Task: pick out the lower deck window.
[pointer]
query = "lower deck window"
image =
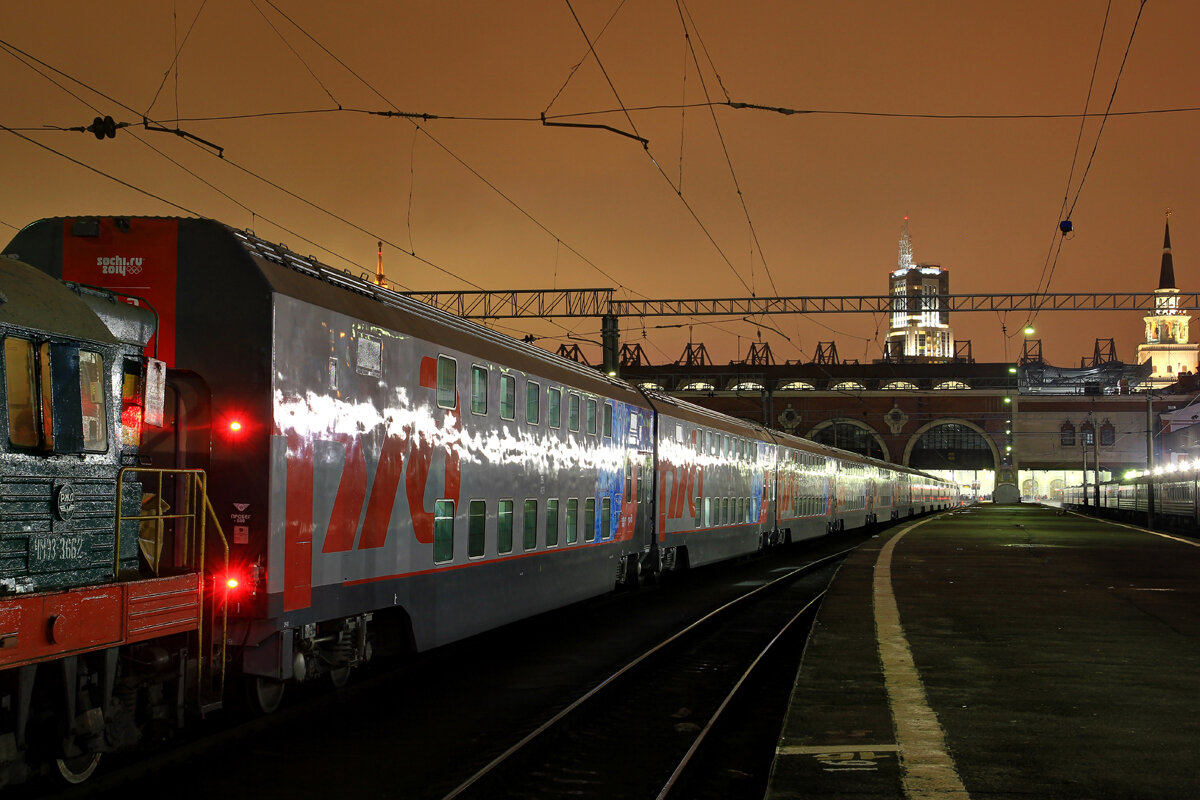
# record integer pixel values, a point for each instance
(504, 527)
(572, 521)
(443, 531)
(476, 526)
(529, 522)
(552, 522)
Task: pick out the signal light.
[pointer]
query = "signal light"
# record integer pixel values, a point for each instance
(235, 426)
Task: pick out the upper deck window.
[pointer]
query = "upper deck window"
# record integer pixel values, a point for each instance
(447, 375)
(573, 411)
(554, 407)
(479, 387)
(533, 403)
(508, 397)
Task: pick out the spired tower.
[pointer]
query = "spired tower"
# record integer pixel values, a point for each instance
(1166, 347)
(920, 329)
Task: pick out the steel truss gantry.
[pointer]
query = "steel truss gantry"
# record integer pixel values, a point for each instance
(563, 303)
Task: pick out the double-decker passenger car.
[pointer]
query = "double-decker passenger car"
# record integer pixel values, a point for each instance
(391, 475)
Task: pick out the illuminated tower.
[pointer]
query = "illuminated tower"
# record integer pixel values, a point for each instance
(920, 329)
(1166, 346)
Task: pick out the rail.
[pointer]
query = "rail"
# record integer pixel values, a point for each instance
(191, 524)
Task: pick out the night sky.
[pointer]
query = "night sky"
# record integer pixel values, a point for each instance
(493, 199)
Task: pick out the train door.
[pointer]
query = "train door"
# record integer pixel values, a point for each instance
(181, 442)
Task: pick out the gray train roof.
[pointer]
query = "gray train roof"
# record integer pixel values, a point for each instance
(29, 298)
(296, 276)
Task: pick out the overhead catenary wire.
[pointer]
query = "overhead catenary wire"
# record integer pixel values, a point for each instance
(1096, 144)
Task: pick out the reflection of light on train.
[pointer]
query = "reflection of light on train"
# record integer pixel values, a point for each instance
(339, 470)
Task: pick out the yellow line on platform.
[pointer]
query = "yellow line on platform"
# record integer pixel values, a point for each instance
(928, 770)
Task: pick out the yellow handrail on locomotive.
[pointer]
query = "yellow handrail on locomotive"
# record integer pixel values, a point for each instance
(196, 512)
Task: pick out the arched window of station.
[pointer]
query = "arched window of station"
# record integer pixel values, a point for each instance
(796, 386)
(1066, 434)
(748, 386)
(650, 385)
(849, 434)
(847, 386)
(951, 444)
(899, 386)
(952, 385)
(697, 386)
(1087, 432)
(1108, 434)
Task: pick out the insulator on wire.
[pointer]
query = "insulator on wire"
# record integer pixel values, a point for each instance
(102, 127)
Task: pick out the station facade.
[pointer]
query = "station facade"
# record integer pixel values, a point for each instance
(927, 408)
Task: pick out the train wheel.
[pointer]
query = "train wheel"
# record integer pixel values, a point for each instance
(339, 677)
(78, 769)
(265, 694)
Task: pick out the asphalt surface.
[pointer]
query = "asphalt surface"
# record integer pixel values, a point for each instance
(1050, 656)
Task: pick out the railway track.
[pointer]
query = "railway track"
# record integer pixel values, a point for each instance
(667, 722)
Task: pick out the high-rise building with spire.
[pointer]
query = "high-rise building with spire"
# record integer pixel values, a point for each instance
(920, 329)
(1166, 347)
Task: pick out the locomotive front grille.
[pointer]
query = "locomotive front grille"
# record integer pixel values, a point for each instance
(55, 533)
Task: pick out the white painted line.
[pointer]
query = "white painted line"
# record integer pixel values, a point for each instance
(928, 771)
(1179, 539)
(816, 750)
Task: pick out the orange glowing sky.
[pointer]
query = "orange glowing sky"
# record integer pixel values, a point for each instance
(826, 193)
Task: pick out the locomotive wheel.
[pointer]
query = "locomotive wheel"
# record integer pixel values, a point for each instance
(265, 694)
(78, 769)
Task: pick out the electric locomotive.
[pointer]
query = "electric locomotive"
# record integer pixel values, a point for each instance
(95, 647)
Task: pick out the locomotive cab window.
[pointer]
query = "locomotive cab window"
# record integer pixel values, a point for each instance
(56, 397)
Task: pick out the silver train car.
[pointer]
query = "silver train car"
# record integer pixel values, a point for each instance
(1166, 493)
(390, 475)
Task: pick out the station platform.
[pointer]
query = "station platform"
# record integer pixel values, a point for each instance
(1002, 652)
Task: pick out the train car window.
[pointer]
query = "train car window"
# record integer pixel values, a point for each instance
(589, 519)
(554, 408)
(529, 524)
(708, 513)
(634, 436)
(679, 434)
(508, 397)
(533, 403)
(608, 419)
(91, 400)
(476, 521)
(605, 517)
(504, 527)
(573, 411)
(591, 416)
(19, 382)
(447, 380)
(443, 531)
(699, 511)
(572, 521)
(479, 387)
(699, 437)
(552, 522)
(628, 481)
